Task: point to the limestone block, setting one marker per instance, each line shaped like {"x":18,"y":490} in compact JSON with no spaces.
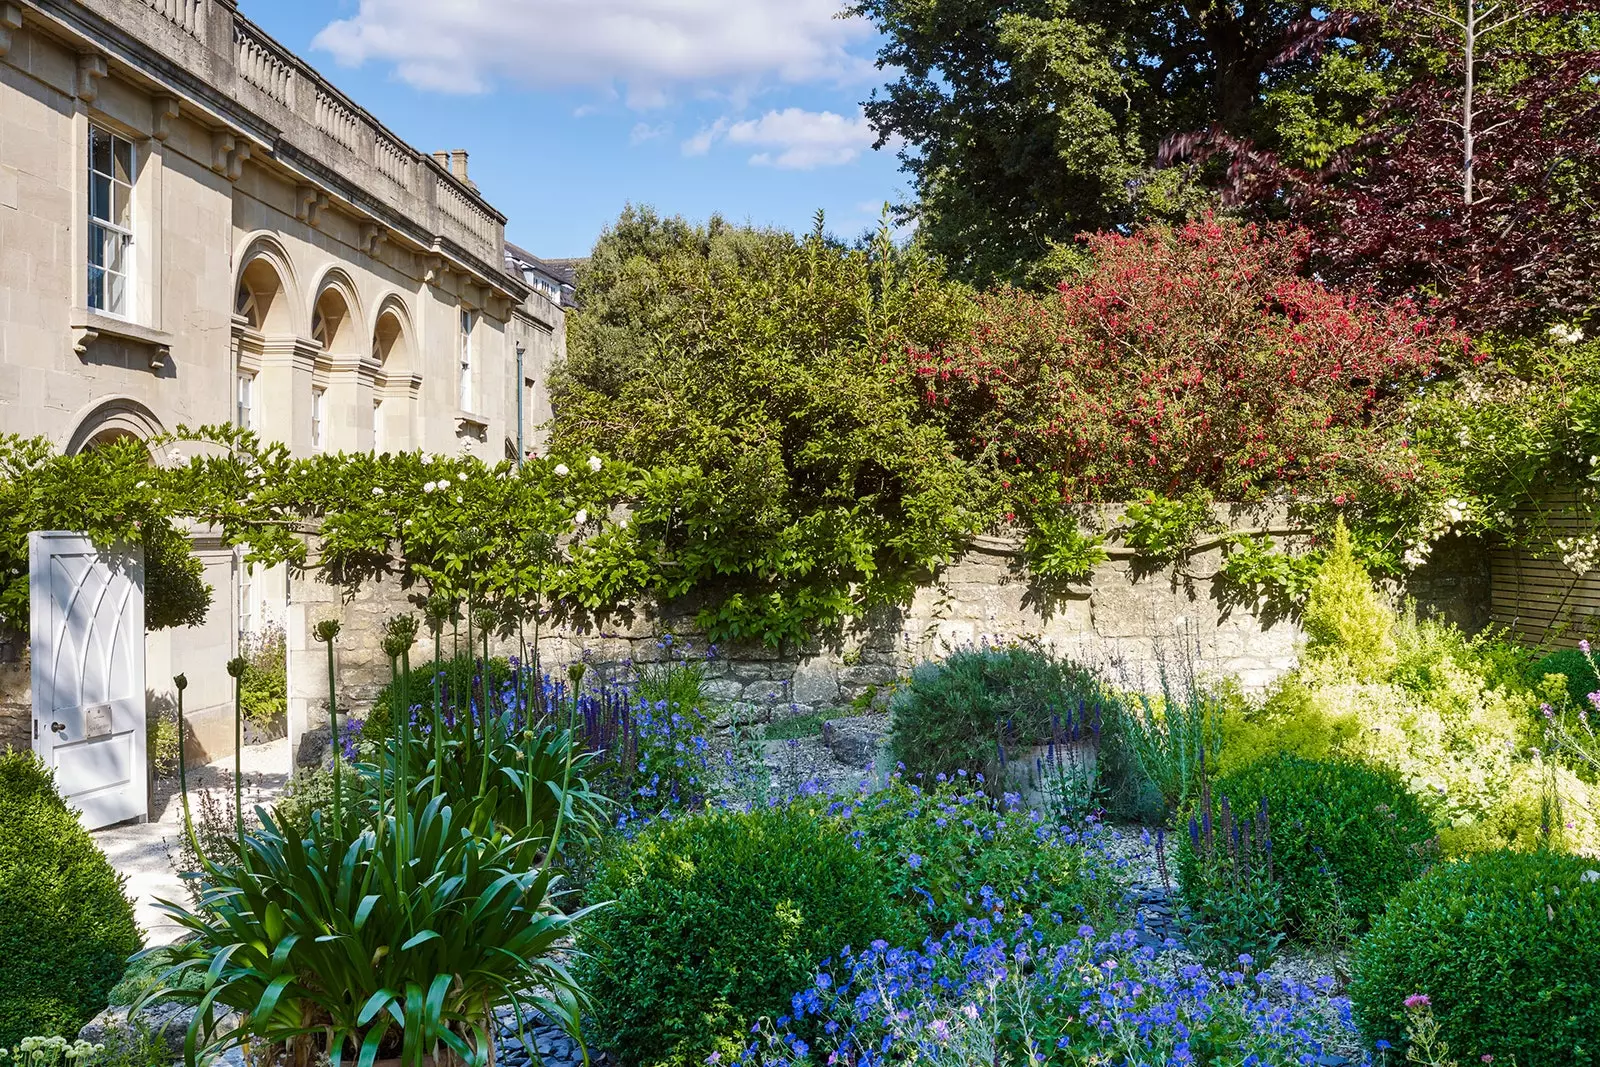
{"x":816,"y":681}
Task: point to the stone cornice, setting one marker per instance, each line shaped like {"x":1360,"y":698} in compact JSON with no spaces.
{"x":299,"y":123}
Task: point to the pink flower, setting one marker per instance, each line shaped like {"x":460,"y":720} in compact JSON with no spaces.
{"x":1584,"y":646}
{"x":1418,"y":1000}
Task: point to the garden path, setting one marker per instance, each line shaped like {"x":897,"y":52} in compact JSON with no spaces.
{"x":139,"y":851}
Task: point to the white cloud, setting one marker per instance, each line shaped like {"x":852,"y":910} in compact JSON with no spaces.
{"x":791,"y":139}
{"x":647,"y":47}
{"x":643,"y":131}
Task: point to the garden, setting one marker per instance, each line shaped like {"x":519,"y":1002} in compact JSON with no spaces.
{"x":1309,"y":303}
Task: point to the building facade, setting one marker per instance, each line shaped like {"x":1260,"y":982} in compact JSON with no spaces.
{"x":197,"y":228}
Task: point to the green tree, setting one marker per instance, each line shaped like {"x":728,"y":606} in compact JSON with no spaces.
{"x":115,"y":495}
{"x":1027,"y":122}
{"x":761,"y":379}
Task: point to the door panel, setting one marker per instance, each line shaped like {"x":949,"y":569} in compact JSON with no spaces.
{"x":87,"y":622}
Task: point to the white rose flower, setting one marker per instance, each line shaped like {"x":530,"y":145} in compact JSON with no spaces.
{"x":561,"y":470}
{"x":427,"y":487}
{"x":461,"y":477}
{"x":377,"y":490}
{"x":595,"y":464}
{"x":581,"y":518}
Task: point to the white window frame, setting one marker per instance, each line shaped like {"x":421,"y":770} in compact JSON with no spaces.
{"x":104,"y":230}
{"x":319,"y":433}
{"x":469,"y":322}
{"x":244,"y":410}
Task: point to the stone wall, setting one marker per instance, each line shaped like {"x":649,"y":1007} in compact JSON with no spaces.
{"x":16,"y":692}
{"x":1126,"y":617}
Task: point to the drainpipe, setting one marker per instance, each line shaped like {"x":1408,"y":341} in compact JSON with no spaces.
{"x":522,"y":387}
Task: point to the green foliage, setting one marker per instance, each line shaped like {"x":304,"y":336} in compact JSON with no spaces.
{"x":1507,"y":949}
{"x":1344,"y":837}
{"x":962,"y":713}
{"x":1345,"y":616}
{"x":162,"y":746}
{"x":457,"y":676}
{"x":389,"y":940}
{"x":717,"y":919}
{"x":1058,"y":551}
{"x":795,"y":726}
{"x":1577,"y":671}
{"x":1171,"y":738}
{"x":1163,"y":529}
{"x":66,"y":926}
{"x":675,"y":685}
{"x":116,"y":495}
{"x":1453,"y":716}
{"x":309,"y":791}
{"x":264,"y":687}
{"x":1026,"y":124}
{"x":951,"y":853}
{"x":794,"y":474}
{"x":1256,"y":567}
{"x":1230,"y":883}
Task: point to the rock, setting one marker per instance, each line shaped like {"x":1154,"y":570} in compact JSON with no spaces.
{"x":816,"y":681}
{"x":852,"y":744}
{"x":167,"y":1021}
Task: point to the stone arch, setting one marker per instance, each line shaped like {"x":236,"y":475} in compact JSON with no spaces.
{"x":109,"y":419}
{"x":336,"y":316}
{"x":394,"y":341}
{"x":266,"y":291}
{"x":396,"y":377}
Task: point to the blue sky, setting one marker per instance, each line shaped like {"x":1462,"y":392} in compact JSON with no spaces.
{"x":572,"y":108}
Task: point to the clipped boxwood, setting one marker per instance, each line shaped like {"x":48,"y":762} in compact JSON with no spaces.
{"x":1507,"y":948}
{"x":954,"y":714}
{"x":1345,"y":838}
{"x":716,"y":920}
{"x":66,"y":927}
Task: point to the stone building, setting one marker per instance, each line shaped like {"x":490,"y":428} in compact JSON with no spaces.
{"x":197,"y":228}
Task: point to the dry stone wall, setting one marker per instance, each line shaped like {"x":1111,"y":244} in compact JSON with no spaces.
{"x":1126,"y":617}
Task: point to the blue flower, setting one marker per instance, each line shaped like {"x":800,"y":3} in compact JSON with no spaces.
{"x":914,"y":861}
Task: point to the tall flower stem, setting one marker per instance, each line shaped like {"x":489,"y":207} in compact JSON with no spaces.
{"x":325,"y":632}
{"x":236,"y":668}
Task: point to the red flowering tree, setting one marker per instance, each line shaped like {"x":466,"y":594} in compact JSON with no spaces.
{"x":1196,"y":358}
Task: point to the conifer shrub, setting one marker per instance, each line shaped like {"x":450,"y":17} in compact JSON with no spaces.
{"x":66,"y":926}
{"x":1505,"y":946}
{"x":715,"y":920}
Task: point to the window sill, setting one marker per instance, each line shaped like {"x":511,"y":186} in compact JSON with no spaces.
{"x":89,"y":325}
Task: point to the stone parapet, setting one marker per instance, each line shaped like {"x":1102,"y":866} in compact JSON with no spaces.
{"x":207,"y":60}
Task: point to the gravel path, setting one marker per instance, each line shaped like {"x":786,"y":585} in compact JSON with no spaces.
{"x":139,"y":851}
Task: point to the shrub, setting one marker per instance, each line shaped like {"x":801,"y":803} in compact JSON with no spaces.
{"x":960,"y":714}
{"x":1345,"y":618}
{"x":264,"y":688}
{"x":1344,"y":837}
{"x":456,"y":677}
{"x":1452,"y":715}
{"x":66,"y":927}
{"x":1505,"y":946}
{"x":716,"y":919}
{"x":952,"y":853}
{"x":1573,"y":665}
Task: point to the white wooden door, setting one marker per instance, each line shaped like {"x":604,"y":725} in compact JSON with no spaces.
{"x":87,"y":622}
